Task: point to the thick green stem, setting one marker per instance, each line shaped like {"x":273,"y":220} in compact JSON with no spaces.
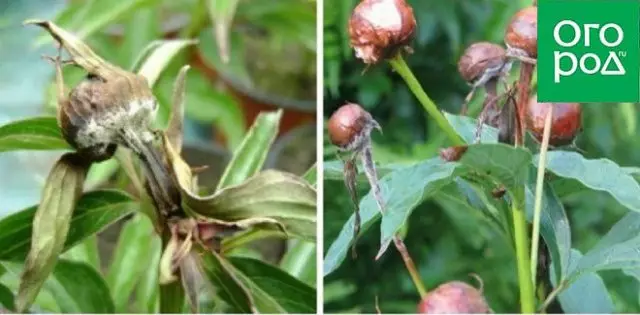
{"x":537,"y":210}
{"x":527,"y":295}
{"x":400,"y":66}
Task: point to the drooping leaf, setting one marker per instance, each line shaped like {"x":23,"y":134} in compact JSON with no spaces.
{"x":554,"y":226}
{"x":270,"y":194}
{"x":404,"y":190}
{"x":160,"y":58}
{"x":76,"y":287}
{"x":250,"y":156}
{"x":94,"y":211}
{"x":134,"y":246}
{"x":274,"y":289}
{"x":588,"y":294}
{"x":601,"y":174}
{"x":51,"y":225}
{"x":618,"y":249}
{"x":41,"y":133}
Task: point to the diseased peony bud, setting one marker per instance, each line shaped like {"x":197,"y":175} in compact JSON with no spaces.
{"x":482,"y":62}
{"x":565,"y":122}
{"x":454,"y":298}
{"x":350,"y":127}
{"x":521,"y":36}
{"x":380,"y":28}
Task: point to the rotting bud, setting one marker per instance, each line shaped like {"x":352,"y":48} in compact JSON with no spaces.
{"x":350,"y":127}
{"x":454,"y":297}
{"x":521,"y":36}
{"x":379,"y":29}
{"x":482,"y":62}
{"x":566,"y":121}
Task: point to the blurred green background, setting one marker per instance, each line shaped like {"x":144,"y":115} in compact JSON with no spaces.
{"x":447,"y":244}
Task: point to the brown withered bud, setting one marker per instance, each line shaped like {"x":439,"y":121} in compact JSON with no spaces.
{"x":379,"y":29}
{"x":452,"y":154}
{"x":566,"y":121}
{"x":521,"y":35}
{"x":350,"y":127}
{"x":482,"y":62}
{"x":454,"y":297}
{"x":350,"y":130}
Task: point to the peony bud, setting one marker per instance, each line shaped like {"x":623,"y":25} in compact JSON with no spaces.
{"x":380,"y":28}
{"x":482,"y":62}
{"x":521,"y":36}
{"x":565,"y":122}
{"x":454,"y":298}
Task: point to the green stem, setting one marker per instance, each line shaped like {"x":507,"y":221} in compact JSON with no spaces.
{"x":542,"y":161}
{"x":400,"y":66}
{"x":411,"y":267}
{"x":527,"y":295}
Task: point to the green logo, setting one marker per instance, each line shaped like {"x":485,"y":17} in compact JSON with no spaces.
{"x":589,"y":50}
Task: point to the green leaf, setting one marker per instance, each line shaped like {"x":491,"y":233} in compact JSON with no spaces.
{"x":230,"y":289}
{"x":601,"y":174}
{"x":271,"y":194}
{"x":466,"y":127}
{"x":221,"y":13}
{"x":76,"y":287}
{"x":311,"y":175}
{"x":618,"y":249}
{"x":98,"y":15}
{"x":502,"y":163}
{"x":94,"y":211}
{"x":300,"y":261}
{"x":85,"y":252}
{"x":554,"y":225}
{"x":148,"y":288}
{"x":404,"y":190}
{"x":50,"y":225}
{"x":134,"y":246}
{"x":160,"y":58}
{"x":6,"y":298}
{"x":140,"y":30}
{"x":41,"y":133}
{"x":587,"y":294}
{"x":274,"y":289}
{"x":250,"y":156}
{"x":79,"y":288}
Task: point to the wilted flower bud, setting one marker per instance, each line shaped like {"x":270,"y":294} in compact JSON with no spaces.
{"x":482,"y":62}
{"x":565,"y":122}
{"x":350,"y":127}
{"x":454,"y":298}
{"x":521,"y":36}
{"x":380,"y":28}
